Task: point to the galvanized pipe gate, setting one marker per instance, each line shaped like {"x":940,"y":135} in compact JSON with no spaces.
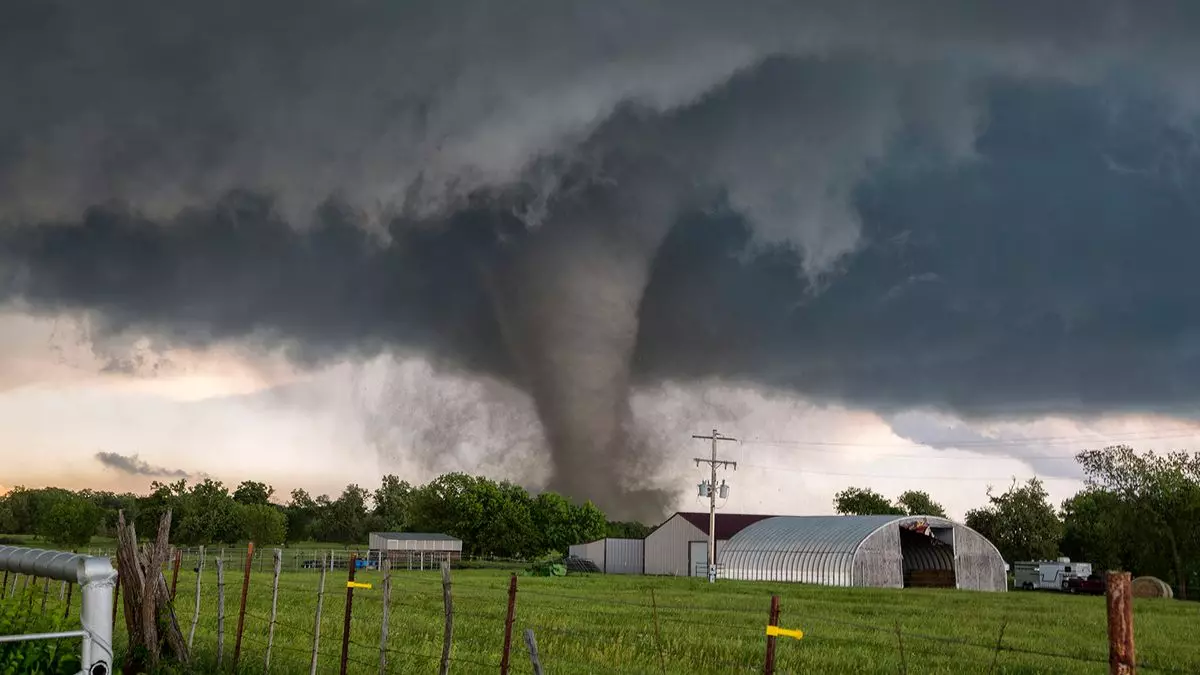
{"x":96,"y":578}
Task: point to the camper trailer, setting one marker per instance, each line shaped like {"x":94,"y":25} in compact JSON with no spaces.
{"x":1049,"y":575}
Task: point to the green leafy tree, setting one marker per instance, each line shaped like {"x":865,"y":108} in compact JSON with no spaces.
{"x":344,"y":519}
{"x":261,"y":523}
{"x":1020,"y":522}
{"x":588,"y":522}
{"x":627,"y":530}
{"x":70,"y":521}
{"x":919,"y":503}
{"x":253,"y":492}
{"x":1101,"y":528}
{"x":392,"y":503}
{"x":301,"y":513}
{"x":8,"y":522}
{"x":855,"y":501}
{"x":206,"y":515}
{"x":1161,"y":493}
{"x":552,"y":519}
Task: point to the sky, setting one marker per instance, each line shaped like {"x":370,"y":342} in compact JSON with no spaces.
{"x":907,"y":247}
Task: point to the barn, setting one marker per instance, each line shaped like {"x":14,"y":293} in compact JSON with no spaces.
{"x":613,"y":556}
{"x":878,"y":551}
{"x":414,"y":549}
{"x":679,"y":547}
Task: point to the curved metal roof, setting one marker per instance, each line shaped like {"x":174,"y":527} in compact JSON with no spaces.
{"x":807,"y":549}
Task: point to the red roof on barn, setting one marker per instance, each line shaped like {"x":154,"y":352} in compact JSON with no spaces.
{"x":728,"y":524}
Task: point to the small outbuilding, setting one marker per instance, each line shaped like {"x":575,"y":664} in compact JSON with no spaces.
{"x":679,"y":546}
{"x":878,"y":551}
{"x":416,"y":549}
{"x":613,"y":556}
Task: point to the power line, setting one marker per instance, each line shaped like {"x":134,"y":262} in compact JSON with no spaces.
{"x":904,"y":476}
{"x":1107,"y":439}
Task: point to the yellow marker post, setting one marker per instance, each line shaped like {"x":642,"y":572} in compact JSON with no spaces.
{"x":785,"y":632}
{"x":355,"y":584}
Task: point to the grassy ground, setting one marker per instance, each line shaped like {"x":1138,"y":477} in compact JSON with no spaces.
{"x":598,"y":624}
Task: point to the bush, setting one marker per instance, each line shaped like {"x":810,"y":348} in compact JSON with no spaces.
{"x":40,"y":657}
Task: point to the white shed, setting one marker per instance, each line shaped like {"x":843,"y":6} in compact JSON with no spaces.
{"x":679,"y":547}
{"x":415,"y":546}
{"x":613,"y":556}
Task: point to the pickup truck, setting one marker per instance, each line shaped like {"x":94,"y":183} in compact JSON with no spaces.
{"x":1092,"y":585}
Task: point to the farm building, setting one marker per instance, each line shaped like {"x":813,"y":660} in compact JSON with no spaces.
{"x":679,"y":546}
{"x":879,"y":551}
{"x":613,"y":556}
{"x":414,"y":548}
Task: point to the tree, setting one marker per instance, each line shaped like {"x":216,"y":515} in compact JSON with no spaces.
{"x":588,"y":521}
{"x":553,"y":523}
{"x":8,"y":522}
{"x":1021,"y":522}
{"x":919,"y":503}
{"x":392,"y":504}
{"x":1098,"y":527}
{"x":863,"y":502}
{"x":344,"y":519}
{"x":261,"y":523}
{"x":71,"y":521}
{"x":301,"y":513}
{"x":206,"y":514}
{"x":253,"y":492}
{"x":627,"y":530}
{"x":1160,"y":493}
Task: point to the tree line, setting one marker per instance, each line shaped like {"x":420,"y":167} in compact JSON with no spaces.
{"x":1137,"y":512}
{"x":492,"y":518}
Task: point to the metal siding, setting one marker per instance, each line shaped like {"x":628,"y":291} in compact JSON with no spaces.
{"x":666,"y":548}
{"x":878,"y":561}
{"x":623,"y":556}
{"x":978,"y":565}
{"x":593,"y":551}
{"x":805,"y":549}
{"x":852,"y":551}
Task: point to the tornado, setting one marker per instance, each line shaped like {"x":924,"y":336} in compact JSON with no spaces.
{"x":567,"y":302}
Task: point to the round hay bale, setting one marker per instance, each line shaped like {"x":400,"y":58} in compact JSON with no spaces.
{"x":1151,"y":587}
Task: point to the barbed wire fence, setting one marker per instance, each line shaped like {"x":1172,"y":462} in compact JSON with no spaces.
{"x":390,"y":621}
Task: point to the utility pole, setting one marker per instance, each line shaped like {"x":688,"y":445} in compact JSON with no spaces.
{"x":711,"y":488}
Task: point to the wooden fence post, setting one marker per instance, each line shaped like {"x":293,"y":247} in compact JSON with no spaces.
{"x":531,"y":643}
{"x":317,"y":625}
{"x":1120,"y":624}
{"x":67,"y":611}
{"x":448,"y":632}
{"x":237,"y":643}
{"x":220,"y":610}
{"x":508,"y":623}
{"x":351,"y":564}
{"x":386,"y":566}
{"x":196,"y":614}
{"x":772,"y":620}
{"x":4,"y":585}
{"x":274,"y":605}
{"x":45,"y":594}
{"x":175,"y":572}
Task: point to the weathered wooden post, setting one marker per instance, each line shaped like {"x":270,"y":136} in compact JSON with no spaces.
{"x":508,"y":624}
{"x":1120,"y":624}
{"x":772,"y":620}
{"x":241,"y":626}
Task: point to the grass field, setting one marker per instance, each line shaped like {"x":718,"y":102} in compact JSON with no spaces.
{"x":598,"y":624}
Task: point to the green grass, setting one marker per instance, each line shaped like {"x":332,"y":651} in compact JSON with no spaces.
{"x":599,"y":624}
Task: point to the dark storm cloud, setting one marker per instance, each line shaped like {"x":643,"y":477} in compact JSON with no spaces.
{"x":135,"y":466}
{"x":1039,"y":278}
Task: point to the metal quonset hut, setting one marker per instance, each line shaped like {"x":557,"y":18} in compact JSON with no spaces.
{"x":879,"y":551}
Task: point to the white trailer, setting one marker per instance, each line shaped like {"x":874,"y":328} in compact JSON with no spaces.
{"x":1049,"y":574}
